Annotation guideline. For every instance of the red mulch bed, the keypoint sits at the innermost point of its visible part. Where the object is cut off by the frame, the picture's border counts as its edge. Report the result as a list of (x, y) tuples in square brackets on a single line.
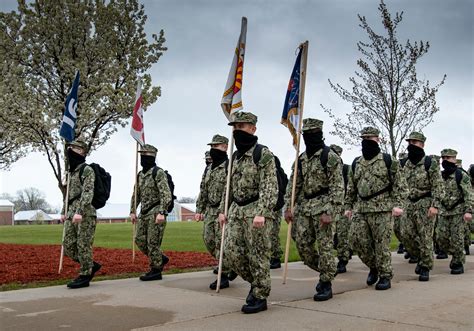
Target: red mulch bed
[(30, 263)]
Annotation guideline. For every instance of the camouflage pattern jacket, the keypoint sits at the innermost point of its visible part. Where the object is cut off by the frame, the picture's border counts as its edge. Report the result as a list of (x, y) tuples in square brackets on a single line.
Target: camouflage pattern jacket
[(370, 177), (452, 194), (212, 189), (313, 178), (153, 194), (249, 180), (81, 192)]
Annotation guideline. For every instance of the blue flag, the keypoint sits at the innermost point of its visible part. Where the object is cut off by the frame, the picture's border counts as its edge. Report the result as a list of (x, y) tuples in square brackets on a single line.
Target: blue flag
[(291, 116), (69, 118)]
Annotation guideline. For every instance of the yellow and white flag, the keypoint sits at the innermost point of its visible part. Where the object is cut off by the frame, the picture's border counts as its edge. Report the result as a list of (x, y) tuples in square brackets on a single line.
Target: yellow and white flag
[(232, 98)]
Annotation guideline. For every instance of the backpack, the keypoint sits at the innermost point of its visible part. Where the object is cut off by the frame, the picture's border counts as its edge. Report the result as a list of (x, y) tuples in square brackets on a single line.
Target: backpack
[(102, 184), (170, 185), (387, 158)]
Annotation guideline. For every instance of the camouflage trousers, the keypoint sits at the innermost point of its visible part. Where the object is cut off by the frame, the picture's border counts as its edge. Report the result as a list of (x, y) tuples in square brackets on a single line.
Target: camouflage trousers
[(450, 236), (276, 251), (467, 233), (343, 226), (148, 238), (247, 251), (211, 234), (417, 233), (371, 234), (78, 240), (309, 232), (397, 228)]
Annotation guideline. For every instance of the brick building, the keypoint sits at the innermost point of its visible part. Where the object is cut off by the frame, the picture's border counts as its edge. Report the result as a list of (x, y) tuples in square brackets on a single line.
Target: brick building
[(6, 212)]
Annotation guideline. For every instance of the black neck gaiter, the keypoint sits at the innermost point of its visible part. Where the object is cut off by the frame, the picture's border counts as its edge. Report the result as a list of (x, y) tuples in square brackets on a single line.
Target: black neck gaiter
[(147, 162), (449, 168), (314, 142), (370, 149), (74, 159), (415, 153), (244, 141), (218, 157)]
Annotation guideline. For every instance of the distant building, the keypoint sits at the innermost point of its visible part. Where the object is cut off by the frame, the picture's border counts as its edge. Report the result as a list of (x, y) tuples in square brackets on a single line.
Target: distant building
[(188, 210), (32, 217), (114, 213), (6, 212)]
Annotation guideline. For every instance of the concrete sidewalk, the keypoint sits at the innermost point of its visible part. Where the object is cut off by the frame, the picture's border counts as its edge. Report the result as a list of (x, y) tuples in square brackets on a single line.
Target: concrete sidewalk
[(184, 302)]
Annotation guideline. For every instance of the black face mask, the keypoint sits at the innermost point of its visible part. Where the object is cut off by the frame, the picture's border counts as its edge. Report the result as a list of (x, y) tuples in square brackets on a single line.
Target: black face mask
[(243, 141), (147, 162), (74, 159), (415, 153), (218, 157), (449, 168), (314, 142), (471, 172), (370, 149)]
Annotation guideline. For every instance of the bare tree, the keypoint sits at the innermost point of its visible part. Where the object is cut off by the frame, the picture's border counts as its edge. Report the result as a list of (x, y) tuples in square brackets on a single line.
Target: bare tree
[(386, 92)]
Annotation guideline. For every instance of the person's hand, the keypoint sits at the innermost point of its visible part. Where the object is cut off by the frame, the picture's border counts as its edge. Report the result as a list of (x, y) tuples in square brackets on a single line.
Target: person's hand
[(467, 217), (396, 212), (133, 217), (289, 216), (76, 219), (348, 214), (198, 217), (62, 218), (325, 219), (222, 220), (258, 222), (432, 212), (159, 219)]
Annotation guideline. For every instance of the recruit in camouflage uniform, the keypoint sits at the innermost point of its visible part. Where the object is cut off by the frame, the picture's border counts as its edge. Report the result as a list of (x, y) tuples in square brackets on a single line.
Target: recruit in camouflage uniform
[(471, 228), (456, 209), (343, 224), (323, 194), (467, 225), (80, 220), (154, 197), (207, 205), (397, 226), (375, 195), (424, 198), (253, 195)]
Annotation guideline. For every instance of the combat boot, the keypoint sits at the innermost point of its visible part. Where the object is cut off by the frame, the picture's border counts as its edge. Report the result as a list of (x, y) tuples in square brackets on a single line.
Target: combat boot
[(424, 274), (413, 259), (407, 255), (466, 249), (164, 261), (153, 274), (457, 269), (224, 283), (383, 284), (257, 305), (372, 277), (341, 267), (400, 249), (250, 298), (96, 267), (418, 269), (215, 271), (275, 263), (232, 275), (441, 255), (324, 293), (81, 281)]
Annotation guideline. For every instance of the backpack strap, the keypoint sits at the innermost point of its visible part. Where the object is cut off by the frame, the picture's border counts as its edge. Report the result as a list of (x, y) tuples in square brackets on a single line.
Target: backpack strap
[(387, 158), (354, 163), (257, 153), (81, 172), (403, 162), (427, 163), (324, 158)]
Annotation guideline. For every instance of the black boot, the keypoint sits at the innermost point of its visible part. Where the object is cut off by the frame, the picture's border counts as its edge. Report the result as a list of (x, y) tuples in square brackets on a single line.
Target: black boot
[(215, 271), (372, 277), (341, 267), (383, 284), (466, 249), (81, 281), (224, 283), (400, 249), (250, 298), (418, 269), (441, 255), (257, 305), (96, 267), (232, 275), (457, 269), (407, 255), (325, 292), (413, 259), (164, 261), (153, 274), (424, 274), (275, 263)]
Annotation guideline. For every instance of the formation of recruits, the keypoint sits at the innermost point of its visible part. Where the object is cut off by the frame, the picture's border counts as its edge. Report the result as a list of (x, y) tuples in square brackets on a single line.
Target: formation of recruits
[(353, 208)]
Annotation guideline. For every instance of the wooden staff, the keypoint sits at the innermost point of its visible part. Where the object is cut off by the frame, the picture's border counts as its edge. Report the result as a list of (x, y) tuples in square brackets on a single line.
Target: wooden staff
[(304, 58), (226, 209), (66, 203), (135, 189)]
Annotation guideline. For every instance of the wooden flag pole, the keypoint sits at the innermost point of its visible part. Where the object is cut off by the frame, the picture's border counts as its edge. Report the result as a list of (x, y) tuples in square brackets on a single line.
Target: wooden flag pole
[(66, 203), (304, 57), (135, 189), (226, 209)]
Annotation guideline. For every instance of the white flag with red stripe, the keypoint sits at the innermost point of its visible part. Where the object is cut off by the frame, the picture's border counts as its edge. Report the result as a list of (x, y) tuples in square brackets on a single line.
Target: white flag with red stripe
[(137, 130)]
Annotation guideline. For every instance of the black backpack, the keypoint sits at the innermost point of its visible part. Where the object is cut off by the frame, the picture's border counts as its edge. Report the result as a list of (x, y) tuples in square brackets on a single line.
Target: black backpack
[(170, 185), (102, 185)]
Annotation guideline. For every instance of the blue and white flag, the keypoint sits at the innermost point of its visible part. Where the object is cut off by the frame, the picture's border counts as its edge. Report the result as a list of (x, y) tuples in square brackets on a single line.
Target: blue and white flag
[(69, 118)]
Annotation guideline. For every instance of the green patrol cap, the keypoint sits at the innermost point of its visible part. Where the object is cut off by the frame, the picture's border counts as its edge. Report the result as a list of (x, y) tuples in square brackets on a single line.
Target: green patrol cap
[(312, 124), (147, 148), (402, 155), (336, 148), (218, 139), (436, 157), (244, 117), (78, 143), (449, 152), (416, 136), (369, 131)]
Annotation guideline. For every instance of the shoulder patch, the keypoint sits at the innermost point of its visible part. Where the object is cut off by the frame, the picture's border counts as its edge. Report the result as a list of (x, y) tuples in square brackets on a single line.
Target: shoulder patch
[(267, 157), (333, 159)]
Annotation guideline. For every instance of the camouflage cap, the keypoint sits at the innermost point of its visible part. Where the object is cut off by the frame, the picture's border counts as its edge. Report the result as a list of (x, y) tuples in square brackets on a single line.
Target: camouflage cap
[(436, 157), (416, 136), (244, 117), (336, 148), (369, 131), (218, 139), (147, 148), (448, 152), (402, 155), (312, 124), (78, 143)]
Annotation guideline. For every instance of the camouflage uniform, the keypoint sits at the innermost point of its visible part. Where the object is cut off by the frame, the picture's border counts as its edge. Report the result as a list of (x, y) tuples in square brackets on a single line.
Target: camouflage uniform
[(247, 248), (321, 191), (154, 197), (424, 192), (276, 251), (79, 237), (372, 222), (397, 226), (455, 203), (467, 225)]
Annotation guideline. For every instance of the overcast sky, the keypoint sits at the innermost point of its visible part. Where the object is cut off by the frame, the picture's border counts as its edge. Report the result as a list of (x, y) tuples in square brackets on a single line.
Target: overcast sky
[(201, 37)]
